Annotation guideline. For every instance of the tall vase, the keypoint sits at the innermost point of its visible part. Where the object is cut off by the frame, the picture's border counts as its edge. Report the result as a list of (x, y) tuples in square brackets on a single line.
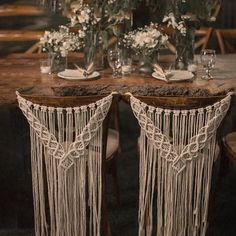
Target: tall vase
[(184, 48), (146, 63), (93, 50), (57, 62)]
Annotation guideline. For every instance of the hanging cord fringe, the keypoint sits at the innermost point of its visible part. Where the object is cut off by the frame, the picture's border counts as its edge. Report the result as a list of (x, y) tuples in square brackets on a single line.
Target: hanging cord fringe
[(66, 155), (177, 150)]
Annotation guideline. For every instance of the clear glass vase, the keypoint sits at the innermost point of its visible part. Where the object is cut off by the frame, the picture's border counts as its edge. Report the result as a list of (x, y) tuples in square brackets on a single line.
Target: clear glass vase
[(184, 48), (57, 62), (146, 63), (93, 50)]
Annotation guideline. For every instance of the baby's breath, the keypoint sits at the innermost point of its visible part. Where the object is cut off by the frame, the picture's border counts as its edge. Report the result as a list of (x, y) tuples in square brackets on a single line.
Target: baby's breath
[(61, 41), (146, 40)]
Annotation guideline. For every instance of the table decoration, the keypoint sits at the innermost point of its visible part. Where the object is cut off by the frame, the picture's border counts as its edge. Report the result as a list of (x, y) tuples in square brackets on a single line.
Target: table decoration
[(159, 71), (174, 76), (72, 74), (96, 22), (45, 67), (208, 59), (86, 21), (186, 16), (85, 72), (114, 59), (58, 44), (126, 67), (146, 42)]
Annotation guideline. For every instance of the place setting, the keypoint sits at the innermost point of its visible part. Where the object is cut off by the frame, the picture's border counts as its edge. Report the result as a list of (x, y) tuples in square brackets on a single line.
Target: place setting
[(171, 76), (79, 73)]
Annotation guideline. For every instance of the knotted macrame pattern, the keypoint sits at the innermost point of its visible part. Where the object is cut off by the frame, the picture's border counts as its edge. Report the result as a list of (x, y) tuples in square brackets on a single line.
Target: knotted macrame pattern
[(66, 159), (177, 150)]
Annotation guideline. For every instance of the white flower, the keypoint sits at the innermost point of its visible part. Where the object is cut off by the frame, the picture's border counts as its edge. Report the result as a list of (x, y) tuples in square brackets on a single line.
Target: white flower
[(145, 40), (81, 33), (73, 20), (212, 19), (61, 41), (84, 17), (171, 20), (185, 17), (180, 26)]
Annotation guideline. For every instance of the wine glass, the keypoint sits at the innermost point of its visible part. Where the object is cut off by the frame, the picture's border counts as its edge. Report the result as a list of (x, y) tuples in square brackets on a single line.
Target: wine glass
[(208, 59), (115, 62)]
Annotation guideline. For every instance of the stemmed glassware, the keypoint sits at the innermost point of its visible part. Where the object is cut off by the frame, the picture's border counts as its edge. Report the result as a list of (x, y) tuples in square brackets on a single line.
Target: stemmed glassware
[(115, 61), (208, 59)]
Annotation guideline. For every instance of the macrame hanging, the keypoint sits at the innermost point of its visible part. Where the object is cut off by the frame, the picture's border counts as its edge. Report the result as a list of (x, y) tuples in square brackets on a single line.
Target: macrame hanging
[(66, 159), (177, 150)]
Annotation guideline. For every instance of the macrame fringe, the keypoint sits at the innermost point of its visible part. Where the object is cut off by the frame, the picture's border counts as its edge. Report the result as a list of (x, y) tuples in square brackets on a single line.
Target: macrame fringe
[(177, 151), (66, 155)]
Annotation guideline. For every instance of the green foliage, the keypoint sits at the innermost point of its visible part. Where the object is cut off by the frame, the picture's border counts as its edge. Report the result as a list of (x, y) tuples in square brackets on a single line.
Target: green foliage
[(202, 10)]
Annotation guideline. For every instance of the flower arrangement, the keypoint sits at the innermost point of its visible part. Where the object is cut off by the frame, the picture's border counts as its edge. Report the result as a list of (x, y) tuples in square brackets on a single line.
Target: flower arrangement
[(84, 17), (190, 13), (60, 42), (178, 25), (96, 21), (146, 40), (99, 15), (185, 16)]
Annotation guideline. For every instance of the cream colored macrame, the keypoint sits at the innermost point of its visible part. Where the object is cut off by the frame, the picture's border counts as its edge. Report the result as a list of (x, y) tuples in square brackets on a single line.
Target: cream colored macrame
[(177, 150), (66, 159)]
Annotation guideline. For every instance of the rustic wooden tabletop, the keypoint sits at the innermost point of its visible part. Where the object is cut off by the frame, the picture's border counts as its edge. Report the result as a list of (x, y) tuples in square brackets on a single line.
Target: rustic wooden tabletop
[(24, 73)]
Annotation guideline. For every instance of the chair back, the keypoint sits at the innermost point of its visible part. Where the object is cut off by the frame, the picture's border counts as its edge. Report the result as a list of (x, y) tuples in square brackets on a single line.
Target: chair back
[(226, 38), (177, 150), (67, 155)]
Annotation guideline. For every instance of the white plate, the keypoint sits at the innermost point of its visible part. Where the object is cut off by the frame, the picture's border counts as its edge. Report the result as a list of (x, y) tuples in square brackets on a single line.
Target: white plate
[(176, 76), (75, 75)]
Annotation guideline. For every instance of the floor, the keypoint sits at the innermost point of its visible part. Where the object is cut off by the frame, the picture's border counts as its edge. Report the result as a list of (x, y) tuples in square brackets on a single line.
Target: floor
[(16, 215)]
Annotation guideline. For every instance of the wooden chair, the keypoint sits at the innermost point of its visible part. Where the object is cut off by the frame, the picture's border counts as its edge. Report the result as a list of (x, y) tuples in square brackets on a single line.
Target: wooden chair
[(223, 37), (177, 150), (67, 138), (229, 148), (202, 37), (21, 35), (228, 154), (204, 33)]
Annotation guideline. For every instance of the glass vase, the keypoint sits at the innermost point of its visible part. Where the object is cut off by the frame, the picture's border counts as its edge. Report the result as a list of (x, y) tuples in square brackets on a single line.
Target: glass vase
[(57, 62), (146, 63), (93, 50), (184, 48)]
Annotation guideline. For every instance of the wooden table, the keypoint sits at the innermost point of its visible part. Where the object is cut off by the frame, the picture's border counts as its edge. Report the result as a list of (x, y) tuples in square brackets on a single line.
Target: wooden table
[(18, 73)]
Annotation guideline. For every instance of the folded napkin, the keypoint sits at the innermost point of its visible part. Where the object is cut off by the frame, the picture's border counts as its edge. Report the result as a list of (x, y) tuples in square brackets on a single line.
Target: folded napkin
[(83, 72), (72, 73), (161, 72)]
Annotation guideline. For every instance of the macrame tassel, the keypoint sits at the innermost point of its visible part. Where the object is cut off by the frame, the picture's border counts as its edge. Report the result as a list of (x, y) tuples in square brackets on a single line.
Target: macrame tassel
[(66, 155), (177, 151)]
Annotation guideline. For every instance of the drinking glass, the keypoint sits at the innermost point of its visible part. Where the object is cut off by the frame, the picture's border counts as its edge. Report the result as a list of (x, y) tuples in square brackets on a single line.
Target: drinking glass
[(45, 66), (126, 66), (208, 59), (115, 62)]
